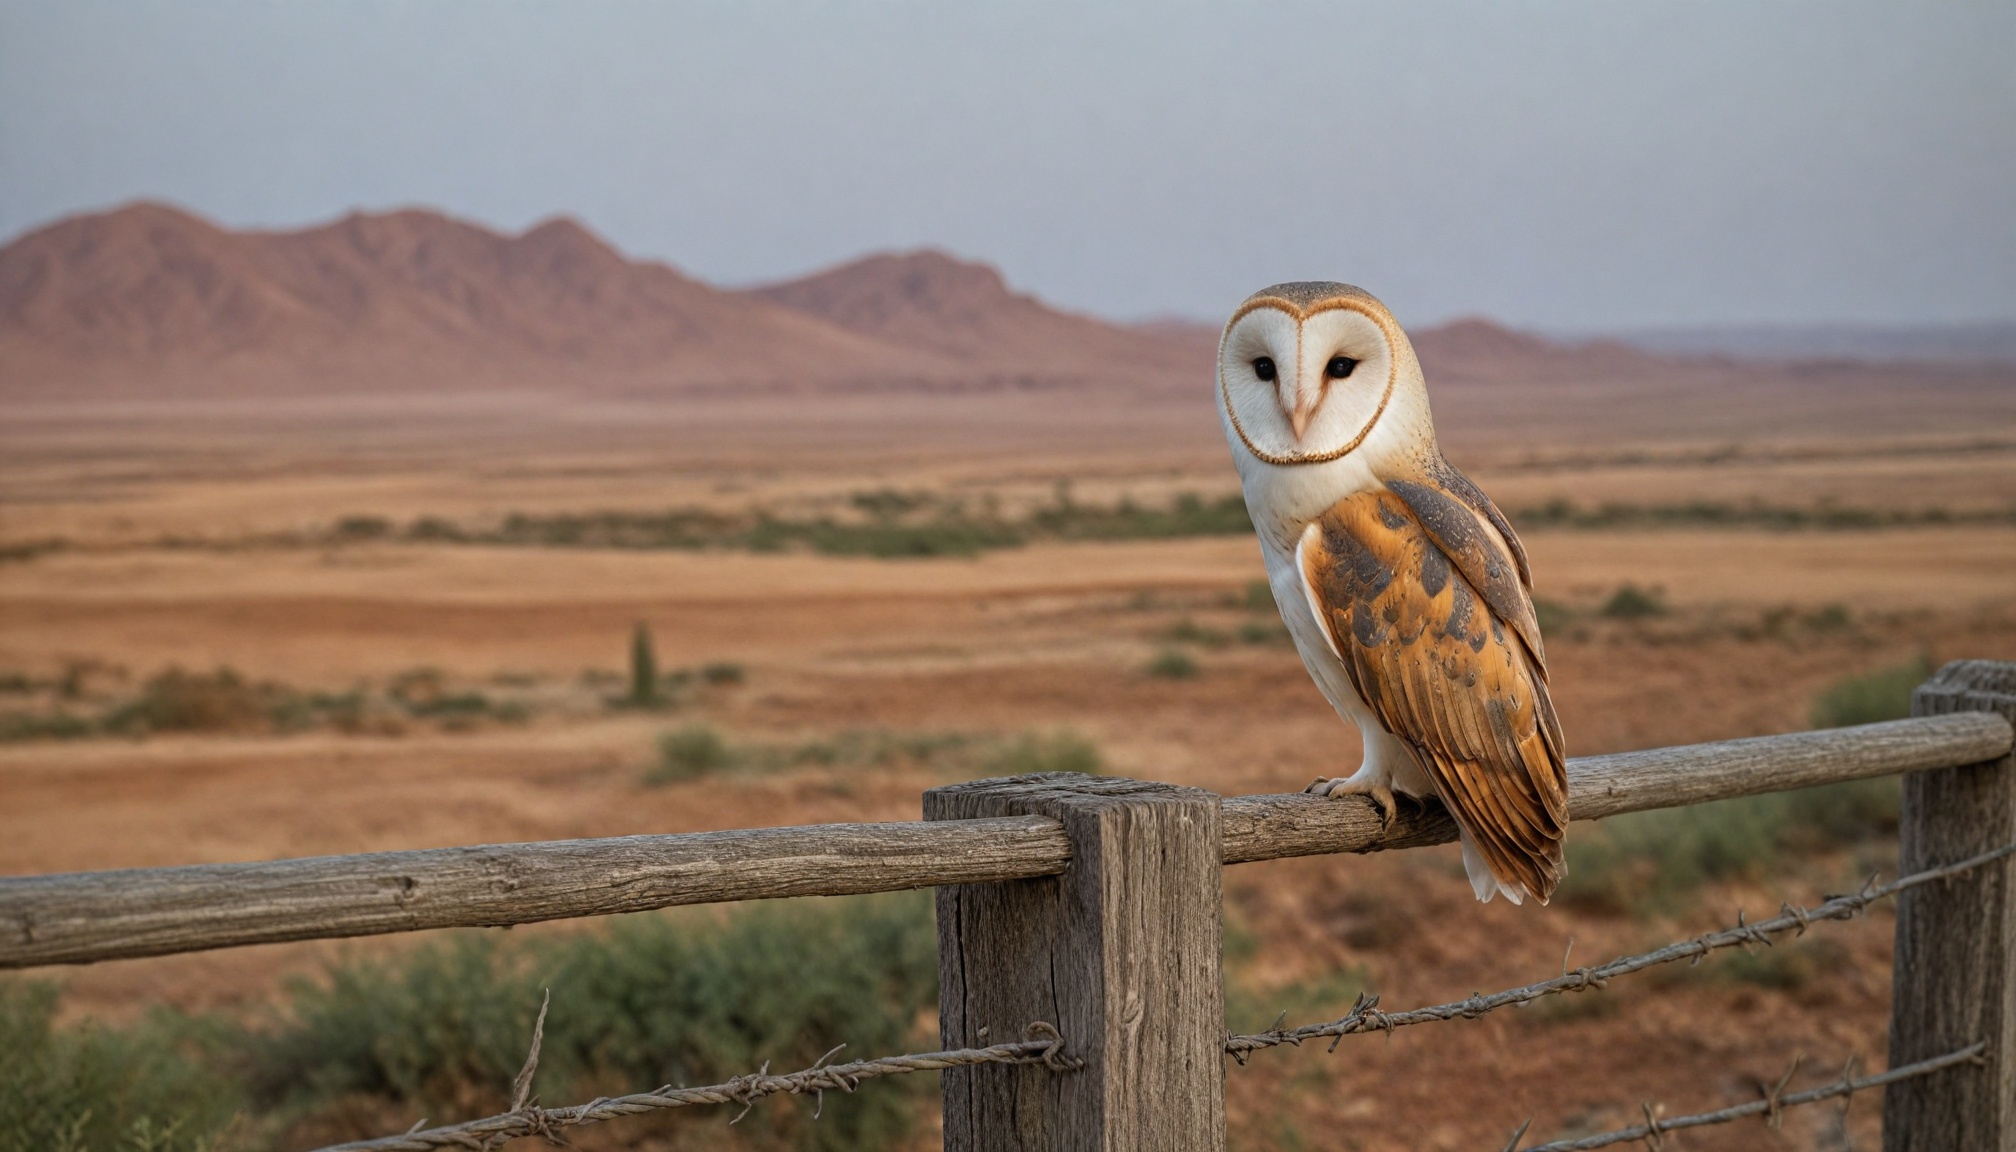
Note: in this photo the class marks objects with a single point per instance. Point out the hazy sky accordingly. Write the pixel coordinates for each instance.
(1558, 165)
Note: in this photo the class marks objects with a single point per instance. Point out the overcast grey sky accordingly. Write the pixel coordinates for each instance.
(1557, 165)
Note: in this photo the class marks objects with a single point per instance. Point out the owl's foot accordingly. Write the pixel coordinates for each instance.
(1379, 794)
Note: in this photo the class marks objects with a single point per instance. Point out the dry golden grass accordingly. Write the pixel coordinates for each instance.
(1048, 637)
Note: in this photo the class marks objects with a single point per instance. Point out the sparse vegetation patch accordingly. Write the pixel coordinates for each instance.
(1884, 694)
(698, 750)
(1631, 602)
(1562, 513)
(884, 523)
(440, 1032)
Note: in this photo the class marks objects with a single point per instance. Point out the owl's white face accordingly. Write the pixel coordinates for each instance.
(1306, 387)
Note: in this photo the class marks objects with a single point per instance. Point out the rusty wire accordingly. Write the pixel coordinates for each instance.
(1047, 1047)
(1365, 1015)
(527, 1118)
(1774, 1102)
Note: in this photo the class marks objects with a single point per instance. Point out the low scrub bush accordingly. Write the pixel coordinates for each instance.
(1259, 597)
(689, 753)
(1188, 631)
(1561, 513)
(1060, 752)
(699, 750)
(45, 726)
(661, 999)
(1631, 602)
(1551, 616)
(1249, 1008)
(723, 674)
(441, 1030)
(1254, 632)
(873, 748)
(891, 524)
(151, 1087)
(1172, 664)
(1884, 694)
(1652, 861)
(180, 701)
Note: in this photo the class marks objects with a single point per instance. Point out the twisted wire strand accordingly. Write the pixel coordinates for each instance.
(1046, 1048)
(1365, 1015)
(1774, 1102)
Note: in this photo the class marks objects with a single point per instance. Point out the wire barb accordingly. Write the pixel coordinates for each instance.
(1364, 1016)
(1654, 1128)
(1046, 1047)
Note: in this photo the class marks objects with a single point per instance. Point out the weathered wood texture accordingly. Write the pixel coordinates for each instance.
(82, 917)
(1270, 827)
(1954, 976)
(1121, 953)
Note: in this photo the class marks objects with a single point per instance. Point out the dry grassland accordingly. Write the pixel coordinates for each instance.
(1048, 637)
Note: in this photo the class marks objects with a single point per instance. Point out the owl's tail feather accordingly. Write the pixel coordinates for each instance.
(1483, 882)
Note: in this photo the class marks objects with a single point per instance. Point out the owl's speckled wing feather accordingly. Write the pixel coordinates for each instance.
(1426, 603)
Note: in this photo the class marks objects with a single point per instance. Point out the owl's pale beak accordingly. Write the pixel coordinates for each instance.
(1302, 408)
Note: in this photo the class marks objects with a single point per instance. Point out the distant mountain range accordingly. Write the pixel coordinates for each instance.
(151, 303)
(148, 299)
(1979, 343)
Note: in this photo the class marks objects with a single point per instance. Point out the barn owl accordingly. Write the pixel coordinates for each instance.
(1408, 596)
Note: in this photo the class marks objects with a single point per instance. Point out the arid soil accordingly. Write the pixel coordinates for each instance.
(163, 566)
(188, 416)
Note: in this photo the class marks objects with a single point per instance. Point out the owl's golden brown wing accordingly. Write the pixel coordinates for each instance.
(1451, 667)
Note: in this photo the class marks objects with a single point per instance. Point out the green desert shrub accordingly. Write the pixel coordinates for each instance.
(1172, 664)
(1631, 602)
(873, 748)
(657, 999)
(45, 726)
(1652, 861)
(691, 752)
(181, 701)
(723, 673)
(1188, 631)
(1034, 752)
(150, 1087)
(1884, 694)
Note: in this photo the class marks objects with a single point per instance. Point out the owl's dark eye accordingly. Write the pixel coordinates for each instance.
(1264, 367)
(1339, 367)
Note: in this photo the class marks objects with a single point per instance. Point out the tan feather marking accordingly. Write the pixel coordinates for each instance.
(1430, 654)
(1461, 487)
(1473, 544)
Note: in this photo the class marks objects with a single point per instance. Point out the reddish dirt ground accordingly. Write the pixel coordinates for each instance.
(1049, 637)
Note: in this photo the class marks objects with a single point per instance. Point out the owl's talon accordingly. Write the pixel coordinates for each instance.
(1379, 794)
(1316, 788)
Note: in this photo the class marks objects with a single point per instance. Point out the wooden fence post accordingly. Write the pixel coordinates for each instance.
(1954, 978)
(1121, 953)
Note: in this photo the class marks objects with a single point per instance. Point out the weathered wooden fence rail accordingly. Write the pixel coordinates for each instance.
(82, 917)
(1094, 903)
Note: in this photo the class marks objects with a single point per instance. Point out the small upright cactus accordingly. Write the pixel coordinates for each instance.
(643, 668)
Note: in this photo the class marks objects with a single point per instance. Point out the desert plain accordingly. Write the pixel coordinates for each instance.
(1780, 529)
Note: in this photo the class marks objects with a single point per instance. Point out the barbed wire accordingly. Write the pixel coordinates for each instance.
(1771, 1107)
(527, 1118)
(1047, 1046)
(1365, 1015)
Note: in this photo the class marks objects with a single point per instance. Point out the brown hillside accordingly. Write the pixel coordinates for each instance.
(930, 300)
(151, 302)
(393, 299)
